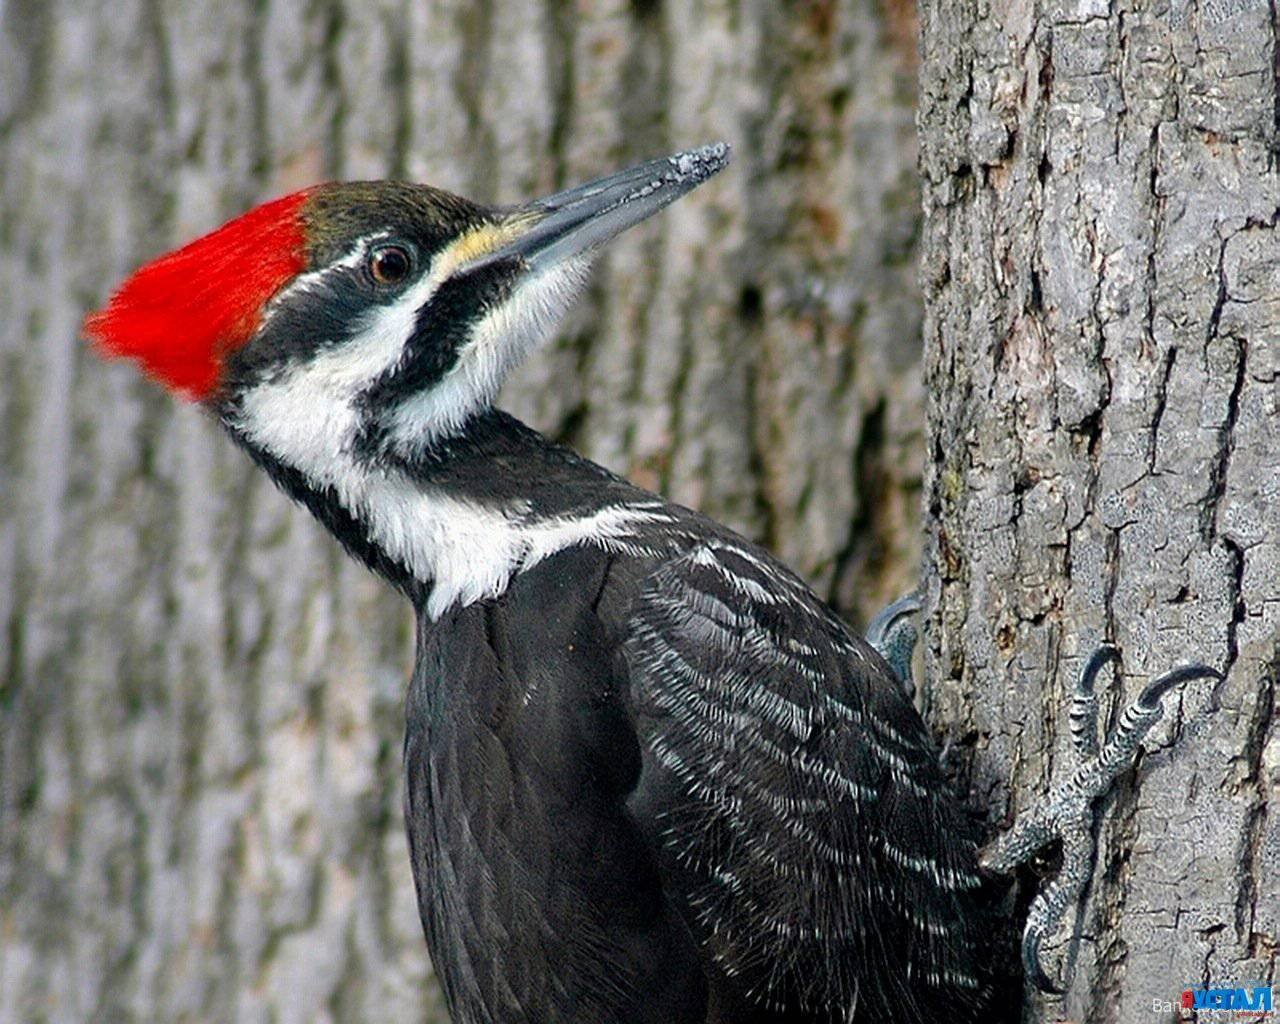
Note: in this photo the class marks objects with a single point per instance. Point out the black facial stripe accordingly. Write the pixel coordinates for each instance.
(441, 329)
(328, 311)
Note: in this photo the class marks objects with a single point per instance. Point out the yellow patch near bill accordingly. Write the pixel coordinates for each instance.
(486, 239)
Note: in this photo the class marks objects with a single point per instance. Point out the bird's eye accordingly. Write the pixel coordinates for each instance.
(389, 264)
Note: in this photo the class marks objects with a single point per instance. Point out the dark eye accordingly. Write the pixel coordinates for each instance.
(389, 264)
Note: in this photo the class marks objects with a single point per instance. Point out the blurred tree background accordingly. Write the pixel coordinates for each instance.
(200, 696)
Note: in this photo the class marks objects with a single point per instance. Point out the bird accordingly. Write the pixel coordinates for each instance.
(651, 777)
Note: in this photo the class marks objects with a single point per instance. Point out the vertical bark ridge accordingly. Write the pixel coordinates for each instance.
(1099, 215)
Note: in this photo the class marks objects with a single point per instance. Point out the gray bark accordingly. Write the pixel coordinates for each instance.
(199, 695)
(1102, 355)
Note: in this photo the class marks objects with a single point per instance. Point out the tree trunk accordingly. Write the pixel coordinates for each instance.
(200, 699)
(1102, 355)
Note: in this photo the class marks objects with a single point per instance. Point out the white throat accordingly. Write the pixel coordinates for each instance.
(308, 418)
(467, 551)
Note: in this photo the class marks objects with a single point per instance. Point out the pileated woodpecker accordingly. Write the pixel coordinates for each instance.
(651, 777)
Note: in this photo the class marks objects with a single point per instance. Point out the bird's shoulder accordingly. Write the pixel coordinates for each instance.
(694, 597)
(793, 792)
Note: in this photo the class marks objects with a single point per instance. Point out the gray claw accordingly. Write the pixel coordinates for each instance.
(1066, 812)
(1083, 717)
(1033, 968)
(1150, 697)
(893, 634)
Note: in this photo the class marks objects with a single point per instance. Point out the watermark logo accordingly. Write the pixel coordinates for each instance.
(1256, 1000)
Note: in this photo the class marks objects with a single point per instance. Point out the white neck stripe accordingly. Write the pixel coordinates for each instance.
(469, 552)
(308, 417)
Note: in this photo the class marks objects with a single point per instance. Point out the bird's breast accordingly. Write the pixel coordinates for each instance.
(539, 896)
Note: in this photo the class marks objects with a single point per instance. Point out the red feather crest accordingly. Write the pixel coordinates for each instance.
(182, 314)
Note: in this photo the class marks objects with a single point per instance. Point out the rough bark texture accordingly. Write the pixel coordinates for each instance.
(1102, 339)
(200, 696)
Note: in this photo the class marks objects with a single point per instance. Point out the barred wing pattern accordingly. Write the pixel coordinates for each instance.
(796, 799)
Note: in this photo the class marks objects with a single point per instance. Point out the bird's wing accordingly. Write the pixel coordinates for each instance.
(795, 797)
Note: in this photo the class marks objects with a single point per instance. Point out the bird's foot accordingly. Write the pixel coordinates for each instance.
(1066, 812)
(893, 633)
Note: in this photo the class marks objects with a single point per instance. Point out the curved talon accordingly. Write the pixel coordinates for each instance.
(1031, 965)
(1149, 698)
(893, 634)
(1050, 904)
(1066, 811)
(1083, 717)
(1097, 661)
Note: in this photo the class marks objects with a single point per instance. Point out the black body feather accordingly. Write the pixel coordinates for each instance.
(657, 781)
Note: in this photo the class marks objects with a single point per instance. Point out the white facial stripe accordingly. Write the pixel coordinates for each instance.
(321, 392)
(497, 344)
(393, 324)
(301, 415)
(308, 412)
(307, 281)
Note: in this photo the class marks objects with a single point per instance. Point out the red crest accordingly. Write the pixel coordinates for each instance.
(182, 314)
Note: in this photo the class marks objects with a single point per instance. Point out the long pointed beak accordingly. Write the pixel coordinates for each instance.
(579, 219)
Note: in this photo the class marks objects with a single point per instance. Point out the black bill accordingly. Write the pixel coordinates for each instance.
(579, 219)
